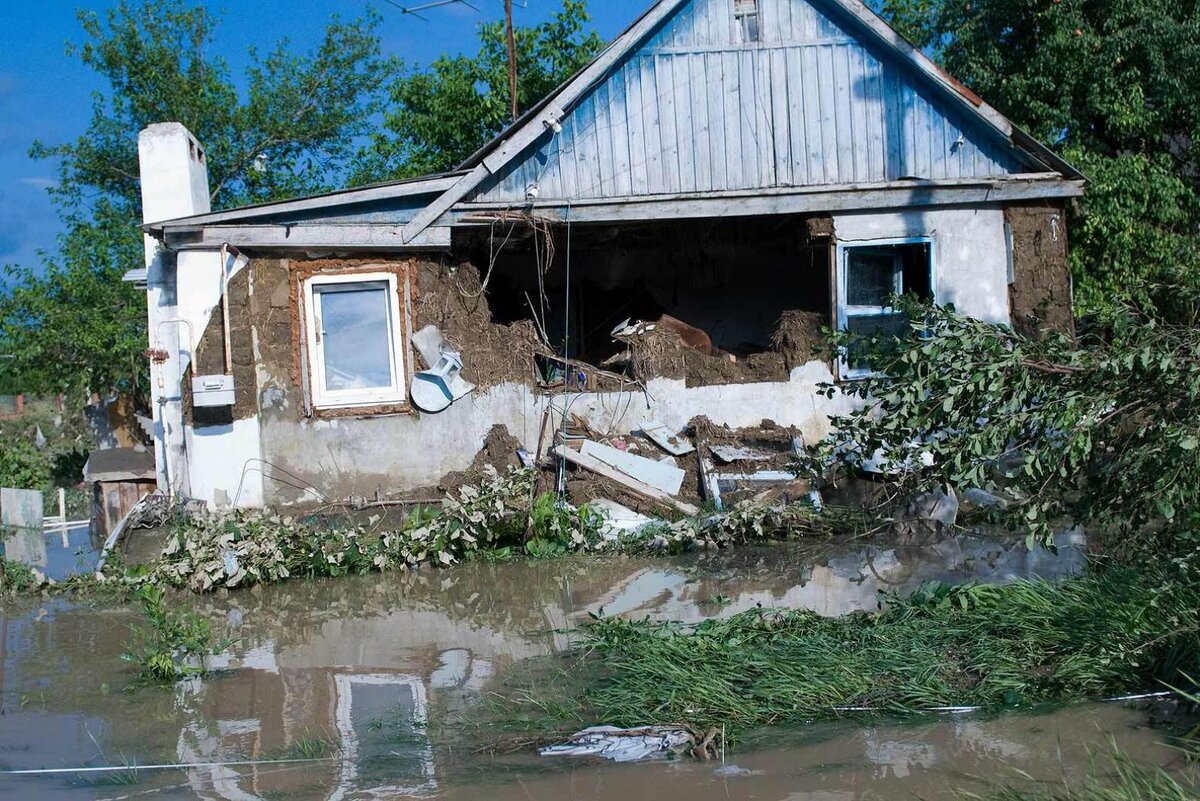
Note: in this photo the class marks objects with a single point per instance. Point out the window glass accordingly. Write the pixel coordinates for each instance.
(872, 277)
(745, 13)
(874, 325)
(356, 338)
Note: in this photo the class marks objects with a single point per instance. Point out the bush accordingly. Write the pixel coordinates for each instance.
(22, 465)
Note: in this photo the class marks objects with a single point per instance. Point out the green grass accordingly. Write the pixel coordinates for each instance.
(1125, 781)
(1028, 643)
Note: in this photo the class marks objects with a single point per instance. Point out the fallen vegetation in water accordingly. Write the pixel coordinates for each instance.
(1113, 630)
(500, 518)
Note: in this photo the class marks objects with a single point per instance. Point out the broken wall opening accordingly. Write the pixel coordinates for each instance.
(711, 302)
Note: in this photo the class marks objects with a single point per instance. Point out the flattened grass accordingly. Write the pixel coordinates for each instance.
(1111, 631)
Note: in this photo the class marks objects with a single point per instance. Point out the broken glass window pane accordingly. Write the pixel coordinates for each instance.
(872, 277)
(355, 335)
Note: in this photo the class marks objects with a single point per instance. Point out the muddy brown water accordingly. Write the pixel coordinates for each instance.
(364, 666)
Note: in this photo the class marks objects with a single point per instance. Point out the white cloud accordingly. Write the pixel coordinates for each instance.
(38, 183)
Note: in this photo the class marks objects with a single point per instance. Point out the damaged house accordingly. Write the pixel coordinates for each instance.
(661, 239)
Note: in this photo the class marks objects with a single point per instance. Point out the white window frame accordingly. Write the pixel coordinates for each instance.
(845, 310)
(323, 398)
(740, 21)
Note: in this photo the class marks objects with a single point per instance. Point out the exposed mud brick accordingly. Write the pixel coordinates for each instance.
(798, 337)
(499, 451)
(210, 357)
(452, 298)
(1040, 295)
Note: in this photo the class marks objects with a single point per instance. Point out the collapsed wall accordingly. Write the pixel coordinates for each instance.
(312, 455)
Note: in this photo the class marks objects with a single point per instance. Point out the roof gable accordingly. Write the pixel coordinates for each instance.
(818, 101)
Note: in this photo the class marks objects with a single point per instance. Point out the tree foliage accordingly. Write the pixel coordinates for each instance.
(291, 130)
(293, 124)
(1114, 86)
(440, 116)
(1104, 431)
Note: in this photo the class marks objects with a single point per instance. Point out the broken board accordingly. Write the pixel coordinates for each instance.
(637, 487)
(664, 477)
(731, 453)
(674, 444)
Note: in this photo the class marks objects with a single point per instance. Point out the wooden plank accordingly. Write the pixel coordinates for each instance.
(602, 131)
(801, 200)
(876, 118)
(651, 111)
(859, 101)
(780, 118)
(893, 133)
(701, 144)
(665, 91)
(662, 476)
(618, 134)
(631, 484)
(755, 152)
(377, 237)
(829, 131)
(684, 135)
(734, 121)
(843, 121)
(718, 165)
(814, 155)
(637, 133)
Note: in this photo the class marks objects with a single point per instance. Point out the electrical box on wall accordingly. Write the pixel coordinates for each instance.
(212, 390)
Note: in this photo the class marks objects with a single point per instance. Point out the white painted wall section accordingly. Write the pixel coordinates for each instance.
(971, 261)
(225, 464)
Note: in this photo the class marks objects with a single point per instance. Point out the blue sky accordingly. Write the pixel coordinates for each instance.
(46, 95)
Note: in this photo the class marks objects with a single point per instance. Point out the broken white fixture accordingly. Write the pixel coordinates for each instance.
(432, 390)
(532, 191)
(212, 390)
(433, 347)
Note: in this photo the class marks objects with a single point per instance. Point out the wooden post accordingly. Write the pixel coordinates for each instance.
(512, 57)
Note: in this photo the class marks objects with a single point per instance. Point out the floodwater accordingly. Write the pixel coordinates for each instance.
(367, 666)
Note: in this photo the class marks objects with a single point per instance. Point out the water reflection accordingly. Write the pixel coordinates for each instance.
(363, 666)
(57, 554)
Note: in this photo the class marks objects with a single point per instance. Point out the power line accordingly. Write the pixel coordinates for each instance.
(510, 38)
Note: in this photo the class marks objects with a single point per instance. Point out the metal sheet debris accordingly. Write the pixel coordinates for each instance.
(623, 745)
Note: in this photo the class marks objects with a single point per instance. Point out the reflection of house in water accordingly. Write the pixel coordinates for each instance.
(361, 684)
(837, 585)
(371, 726)
(362, 673)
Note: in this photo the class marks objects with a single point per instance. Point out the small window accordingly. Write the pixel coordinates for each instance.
(871, 274)
(745, 15)
(355, 339)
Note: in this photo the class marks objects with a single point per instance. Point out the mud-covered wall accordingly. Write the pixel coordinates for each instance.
(1040, 294)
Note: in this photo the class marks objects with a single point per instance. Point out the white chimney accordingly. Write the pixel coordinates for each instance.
(174, 173)
(174, 178)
